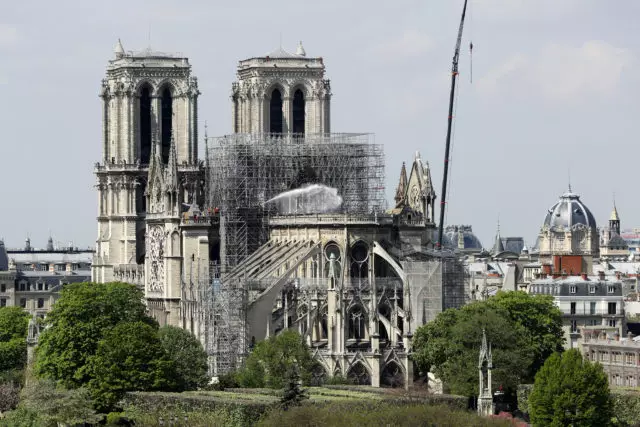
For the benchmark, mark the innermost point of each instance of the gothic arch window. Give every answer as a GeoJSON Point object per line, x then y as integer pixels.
{"type": "Point", "coordinates": [357, 323]}
{"type": "Point", "coordinates": [392, 375]}
{"type": "Point", "coordinates": [145, 124]}
{"type": "Point", "coordinates": [298, 112]}
{"type": "Point", "coordinates": [175, 244]}
{"type": "Point", "coordinates": [275, 112]}
{"type": "Point", "coordinates": [324, 312]}
{"type": "Point", "coordinates": [332, 250]}
{"type": "Point", "coordinates": [166, 118]}
{"type": "Point", "coordinates": [359, 375]}
{"type": "Point", "coordinates": [359, 264]}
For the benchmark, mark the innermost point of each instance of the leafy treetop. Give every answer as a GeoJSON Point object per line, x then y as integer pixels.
{"type": "Point", "coordinates": [570, 390]}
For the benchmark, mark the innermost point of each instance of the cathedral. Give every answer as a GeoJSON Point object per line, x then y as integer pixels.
{"type": "Point", "coordinates": [217, 256]}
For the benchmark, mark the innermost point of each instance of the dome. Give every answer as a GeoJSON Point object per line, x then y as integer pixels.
{"type": "Point", "coordinates": [453, 233]}
{"type": "Point", "coordinates": [568, 212]}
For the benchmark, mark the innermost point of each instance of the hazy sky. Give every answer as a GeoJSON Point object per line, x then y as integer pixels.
{"type": "Point", "coordinates": [555, 88]}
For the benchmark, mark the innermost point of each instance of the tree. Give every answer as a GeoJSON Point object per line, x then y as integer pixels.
{"type": "Point", "coordinates": [540, 318]}
{"type": "Point", "coordinates": [271, 360]}
{"type": "Point", "coordinates": [13, 333]}
{"type": "Point", "coordinates": [293, 394]}
{"type": "Point", "coordinates": [189, 357]}
{"type": "Point", "coordinates": [570, 391]}
{"type": "Point", "coordinates": [13, 323]}
{"type": "Point", "coordinates": [450, 346]}
{"type": "Point", "coordinates": [129, 357]}
{"type": "Point", "coordinates": [78, 321]}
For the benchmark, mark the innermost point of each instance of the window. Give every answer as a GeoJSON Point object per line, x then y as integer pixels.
{"type": "Point", "coordinates": [23, 302]}
{"type": "Point", "coordinates": [612, 308]}
{"type": "Point", "coordinates": [573, 289]}
{"type": "Point", "coordinates": [593, 322]}
{"type": "Point", "coordinates": [43, 267]}
{"type": "Point", "coordinates": [74, 267]}
{"type": "Point", "coordinates": [275, 110]}
{"type": "Point", "coordinates": [298, 112]}
{"type": "Point", "coordinates": [3, 302]}
{"type": "Point", "coordinates": [61, 267]}
{"type": "Point", "coordinates": [573, 308]}
{"type": "Point", "coordinates": [592, 307]}
{"type": "Point", "coordinates": [23, 286]}
{"type": "Point", "coordinates": [592, 289]}
{"type": "Point", "coordinates": [46, 286]}
{"type": "Point", "coordinates": [40, 286]}
{"type": "Point", "coordinates": [40, 302]}
{"type": "Point", "coordinates": [145, 125]}
{"type": "Point", "coordinates": [611, 289]}
{"type": "Point", "coordinates": [356, 323]}
{"type": "Point", "coordinates": [612, 323]}
{"type": "Point", "coordinates": [166, 123]}
{"type": "Point", "coordinates": [574, 326]}
{"type": "Point", "coordinates": [3, 288]}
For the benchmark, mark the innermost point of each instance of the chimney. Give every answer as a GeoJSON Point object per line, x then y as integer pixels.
{"type": "Point", "coordinates": [584, 276]}
{"type": "Point", "coordinates": [601, 275]}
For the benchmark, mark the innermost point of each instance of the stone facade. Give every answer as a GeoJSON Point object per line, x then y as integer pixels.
{"type": "Point", "coordinates": [620, 357]}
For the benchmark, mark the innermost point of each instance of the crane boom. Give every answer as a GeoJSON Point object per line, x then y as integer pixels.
{"type": "Point", "coordinates": [454, 76]}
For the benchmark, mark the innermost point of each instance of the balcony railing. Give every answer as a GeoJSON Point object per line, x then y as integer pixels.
{"type": "Point", "coordinates": [598, 312]}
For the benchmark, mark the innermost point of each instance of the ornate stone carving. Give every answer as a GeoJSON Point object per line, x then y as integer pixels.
{"type": "Point", "coordinates": [155, 244]}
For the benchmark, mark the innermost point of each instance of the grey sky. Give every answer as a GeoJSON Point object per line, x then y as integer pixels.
{"type": "Point", "coordinates": [555, 87]}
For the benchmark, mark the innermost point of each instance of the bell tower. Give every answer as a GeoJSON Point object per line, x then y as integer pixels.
{"type": "Point", "coordinates": [282, 93]}
{"type": "Point", "coordinates": [148, 98]}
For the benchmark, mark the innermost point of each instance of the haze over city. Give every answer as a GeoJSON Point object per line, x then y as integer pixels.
{"type": "Point", "coordinates": [553, 94]}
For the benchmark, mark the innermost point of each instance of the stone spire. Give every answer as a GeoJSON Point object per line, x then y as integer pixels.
{"type": "Point", "coordinates": [155, 186]}
{"type": "Point", "coordinates": [171, 171]}
{"type": "Point", "coordinates": [401, 191]}
{"type": "Point", "coordinates": [300, 50]}
{"type": "Point", "coordinates": [118, 50]}
{"type": "Point", "coordinates": [614, 220]}
{"type": "Point", "coordinates": [497, 245]}
{"type": "Point", "coordinates": [485, 365]}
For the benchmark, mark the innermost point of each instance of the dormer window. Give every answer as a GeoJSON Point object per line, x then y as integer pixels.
{"type": "Point", "coordinates": [592, 289]}
{"type": "Point", "coordinates": [611, 289]}
{"type": "Point", "coordinates": [573, 289]}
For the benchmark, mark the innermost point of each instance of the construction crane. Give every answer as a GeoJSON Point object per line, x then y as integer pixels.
{"type": "Point", "coordinates": [454, 76]}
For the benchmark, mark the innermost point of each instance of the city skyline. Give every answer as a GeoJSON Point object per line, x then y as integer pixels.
{"type": "Point", "coordinates": [537, 107]}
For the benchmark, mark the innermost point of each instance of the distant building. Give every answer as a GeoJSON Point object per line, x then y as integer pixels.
{"type": "Point", "coordinates": [462, 239]}
{"type": "Point", "coordinates": [620, 357]}
{"type": "Point", "coordinates": [568, 240]}
{"type": "Point", "coordinates": [585, 302]}
{"type": "Point", "coordinates": [612, 245]}
{"type": "Point", "coordinates": [32, 278]}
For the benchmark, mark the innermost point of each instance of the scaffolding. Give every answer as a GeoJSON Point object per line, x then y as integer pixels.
{"type": "Point", "coordinates": [247, 170]}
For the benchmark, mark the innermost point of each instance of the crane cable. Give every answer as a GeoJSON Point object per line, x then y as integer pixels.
{"type": "Point", "coordinates": [471, 42]}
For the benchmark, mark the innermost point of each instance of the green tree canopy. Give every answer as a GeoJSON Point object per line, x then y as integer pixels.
{"type": "Point", "coordinates": [540, 318]}
{"type": "Point", "coordinates": [271, 360]}
{"type": "Point", "coordinates": [81, 317]}
{"type": "Point", "coordinates": [13, 323]}
{"type": "Point", "coordinates": [129, 357]}
{"type": "Point", "coordinates": [189, 357]}
{"type": "Point", "coordinates": [450, 345]}
{"type": "Point", "coordinates": [570, 390]}
{"type": "Point", "coordinates": [13, 333]}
